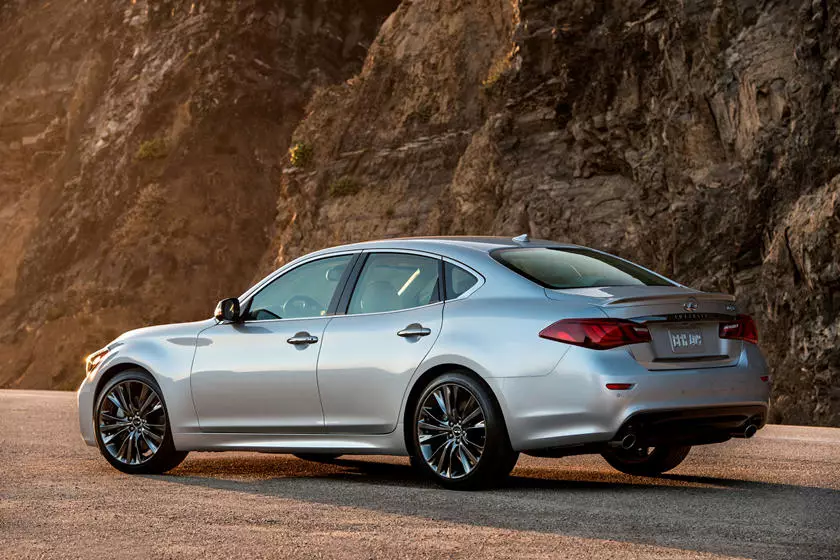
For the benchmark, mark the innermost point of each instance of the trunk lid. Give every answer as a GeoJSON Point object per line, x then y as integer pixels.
{"type": "Point", "coordinates": [683, 323]}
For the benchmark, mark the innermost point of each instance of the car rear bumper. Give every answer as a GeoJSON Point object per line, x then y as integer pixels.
{"type": "Point", "coordinates": [572, 405]}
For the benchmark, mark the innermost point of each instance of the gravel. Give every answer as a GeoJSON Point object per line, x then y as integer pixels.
{"type": "Point", "coordinates": [774, 496]}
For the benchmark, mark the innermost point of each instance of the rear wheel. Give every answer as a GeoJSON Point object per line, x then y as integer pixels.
{"type": "Point", "coordinates": [647, 461]}
{"type": "Point", "coordinates": [459, 436]}
{"type": "Point", "coordinates": [318, 457]}
{"type": "Point", "coordinates": [132, 425]}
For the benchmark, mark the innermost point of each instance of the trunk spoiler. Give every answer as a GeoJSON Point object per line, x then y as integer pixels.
{"type": "Point", "coordinates": [666, 298]}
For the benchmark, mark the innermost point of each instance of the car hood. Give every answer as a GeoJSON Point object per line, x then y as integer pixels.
{"type": "Point", "coordinates": [174, 330]}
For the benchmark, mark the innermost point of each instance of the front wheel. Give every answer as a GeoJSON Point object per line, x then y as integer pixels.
{"type": "Point", "coordinates": [459, 436]}
{"type": "Point", "coordinates": [647, 461]}
{"type": "Point", "coordinates": [132, 425]}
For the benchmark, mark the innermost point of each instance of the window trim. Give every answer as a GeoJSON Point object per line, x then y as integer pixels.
{"type": "Point", "coordinates": [350, 287]}
{"type": "Point", "coordinates": [248, 298]}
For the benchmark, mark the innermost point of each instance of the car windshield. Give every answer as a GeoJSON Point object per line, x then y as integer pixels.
{"type": "Point", "coordinates": [565, 268]}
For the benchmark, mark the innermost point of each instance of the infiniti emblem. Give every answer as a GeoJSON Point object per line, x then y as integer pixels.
{"type": "Point", "coordinates": [690, 305]}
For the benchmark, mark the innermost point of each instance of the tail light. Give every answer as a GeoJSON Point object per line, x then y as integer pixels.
{"type": "Point", "coordinates": [598, 334]}
{"type": "Point", "coordinates": [742, 328]}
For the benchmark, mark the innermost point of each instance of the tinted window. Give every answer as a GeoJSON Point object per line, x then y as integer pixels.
{"type": "Point", "coordinates": [458, 280]}
{"type": "Point", "coordinates": [575, 268]}
{"type": "Point", "coordinates": [393, 281]}
{"type": "Point", "coordinates": [304, 291]}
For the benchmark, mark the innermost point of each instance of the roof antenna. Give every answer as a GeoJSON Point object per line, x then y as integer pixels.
{"type": "Point", "coordinates": [522, 238]}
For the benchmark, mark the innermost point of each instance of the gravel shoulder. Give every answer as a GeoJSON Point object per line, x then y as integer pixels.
{"type": "Point", "coordinates": [774, 496]}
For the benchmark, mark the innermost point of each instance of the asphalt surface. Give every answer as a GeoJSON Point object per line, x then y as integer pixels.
{"type": "Point", "coordinates": [774, 496]}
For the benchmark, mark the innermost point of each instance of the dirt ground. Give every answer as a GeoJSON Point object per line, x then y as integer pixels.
{"type": "Point", "coordinates": [774, 496]}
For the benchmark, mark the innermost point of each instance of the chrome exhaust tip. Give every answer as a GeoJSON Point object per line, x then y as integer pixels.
{"type": "Point", "coordinates": [750, 431]}
{"type": "Point", "coordinates": [628, 441]}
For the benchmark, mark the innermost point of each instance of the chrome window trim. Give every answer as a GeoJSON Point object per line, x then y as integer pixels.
{"type": "Point", "coordinates": [339, 315]}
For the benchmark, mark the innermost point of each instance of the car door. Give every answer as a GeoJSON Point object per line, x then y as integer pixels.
{"type": "Point", "coordinates": [258, 375]}
{"type": "Point", "coordinates": [369, 354]}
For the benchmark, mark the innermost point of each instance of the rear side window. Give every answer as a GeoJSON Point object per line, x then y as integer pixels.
{"type": "Point", "coordinates": [575, 268]}
{"type": "Point", "coordinates": [394, 281]}
{"type": "Point", "coordinates": [458, 280]}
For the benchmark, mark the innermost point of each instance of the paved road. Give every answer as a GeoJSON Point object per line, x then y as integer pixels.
{"type": "Point", "coordinates": [775, 496]}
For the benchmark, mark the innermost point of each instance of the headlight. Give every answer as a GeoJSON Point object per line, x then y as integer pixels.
{"type": "Point", "coordinates": [95, 359]}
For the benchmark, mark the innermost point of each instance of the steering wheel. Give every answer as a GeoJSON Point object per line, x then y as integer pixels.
{"type": "Point", "coordinates": [301, 306]}
{"type": "Point", "coordinates": [263, 314]}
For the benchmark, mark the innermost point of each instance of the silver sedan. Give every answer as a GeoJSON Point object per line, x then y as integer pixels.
{"type": "Point", "coordinates": [458, 352]}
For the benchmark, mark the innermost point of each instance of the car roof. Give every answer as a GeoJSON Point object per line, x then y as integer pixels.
{"type": "Point", "coordinates": [448, 245]}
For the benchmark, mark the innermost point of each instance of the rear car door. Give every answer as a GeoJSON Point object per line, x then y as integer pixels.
{"type": "Point", "coordinates": [258, 376]}
{"type": "Point", "coordinates": [369, 354]}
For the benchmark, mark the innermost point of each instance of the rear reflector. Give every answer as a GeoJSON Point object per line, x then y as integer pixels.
{"type": "Point", "coordinates": [619, 386]}
{"type": "Point", "coordinates": [765, 378]}
{"type": "Point", "coordinates": [598, 334]}
{"type": "Point", "coordinates": [742, 328]}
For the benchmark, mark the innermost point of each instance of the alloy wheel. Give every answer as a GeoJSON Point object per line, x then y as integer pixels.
{"type": "Point", "coordinates": [451, 431]}
{"type": "Point", "coordinates": [132, 422]}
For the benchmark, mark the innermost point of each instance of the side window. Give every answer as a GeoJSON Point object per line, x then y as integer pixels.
{"type": "Point", "coordinates": [304, 291]}
{"type": "Point", "coordinates": [393, 281]}
{"type": "Point", "coordinates": [458, 280]}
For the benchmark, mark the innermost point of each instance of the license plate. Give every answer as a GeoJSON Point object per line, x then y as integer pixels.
{"type": "Point", "coordinates": [686, 340]}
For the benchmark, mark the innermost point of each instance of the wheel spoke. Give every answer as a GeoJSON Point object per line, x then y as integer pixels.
{"type": "Point", "coordinates": [464, 461]}
{"type": "Point", "coordinates": [150, 398]}
{"type": "Point", "coordinates": [114, 426]}
{"type": "Point", "coordinates": [151, 445]}
{"type": "Point", "coordinates": [432, 427]}
{"type": "Point", "coordinates": [438, 395]}
{"type": "Point", "coordinates": [125, 404]}
{"type": "Point", "coordinates": [447, 394]}
{"type": "Point", "coordinates": [157, 437]}
{"type": "Point", "coordinates": [443, 455]}
{"type": "Point", "coordinates": [476, 412]}
{"type": "Point", "coordinates": [426, 438]}
{"type": "Point", "coordinates": [466, 447]}
{"type": "Point", "coordinates": [478, 448]}
{"type": "Point", "coordinates": [116, 402]}
{"type": "Point", "coordinates": [106, 439]}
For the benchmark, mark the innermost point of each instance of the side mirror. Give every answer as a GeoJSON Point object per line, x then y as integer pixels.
{"type": "Point", "coordinates": [227, 310]}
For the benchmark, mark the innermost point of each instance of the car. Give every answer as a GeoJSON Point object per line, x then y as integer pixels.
{"type": "Point", "coordinates": [459, 352]}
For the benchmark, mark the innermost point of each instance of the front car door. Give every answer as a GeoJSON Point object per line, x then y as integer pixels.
{"type": "Point", "coordinates": [258, 376]}
{"type": "Point", "coordinates": [369, 354]}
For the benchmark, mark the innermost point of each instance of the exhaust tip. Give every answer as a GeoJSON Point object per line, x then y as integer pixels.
{"type": "Point", "coordinates": [628, 441]}
{"type": "Point", "coordinates": [750, 431]}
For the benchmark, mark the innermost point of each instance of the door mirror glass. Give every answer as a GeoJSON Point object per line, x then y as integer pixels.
{"type": "Point", "coordinates": [227, 310]}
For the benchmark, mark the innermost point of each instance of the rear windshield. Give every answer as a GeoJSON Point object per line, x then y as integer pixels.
{"type": "Point", "coordinates": [565, 268]}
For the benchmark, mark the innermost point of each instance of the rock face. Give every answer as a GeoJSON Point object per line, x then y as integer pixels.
{"type": "Point", "coordinates": [147, 176]}
{"type": "Point", "coordinates": [142, 145]}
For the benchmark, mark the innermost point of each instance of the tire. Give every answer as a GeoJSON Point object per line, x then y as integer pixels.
{"type": "Point", "coordinates": [151, 450]}
{"type": "Point", "coordinates": [318, 457]}
{"type": "Point", "coordinates": [471, 456]}
{"type": "Point", "coordinates": [651, 463]}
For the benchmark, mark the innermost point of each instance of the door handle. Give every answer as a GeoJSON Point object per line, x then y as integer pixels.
{"type": "Point", "coordinates": [414, 329]}
{"type": "Point", "coordinates": [302, 337]}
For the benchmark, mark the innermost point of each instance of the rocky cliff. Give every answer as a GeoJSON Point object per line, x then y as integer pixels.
{"type": "Point", "coordinates": [145, 173]}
